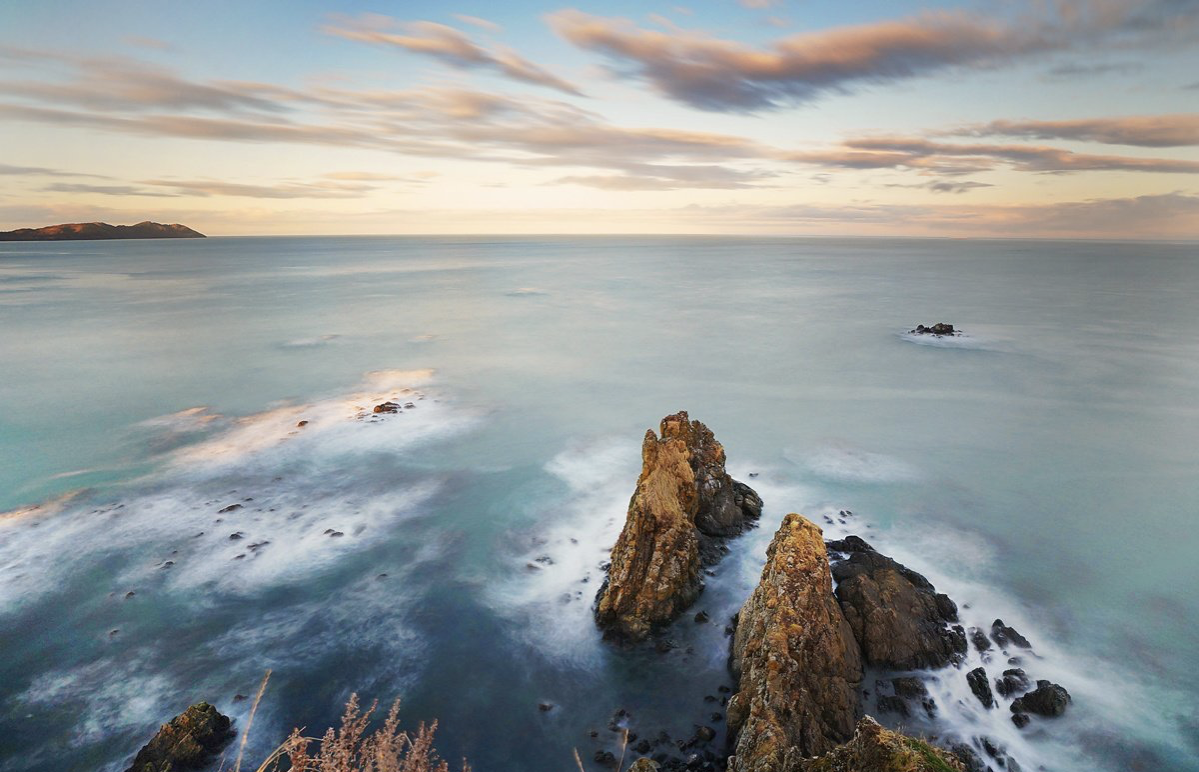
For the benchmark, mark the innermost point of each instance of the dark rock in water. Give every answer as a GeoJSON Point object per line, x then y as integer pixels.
{"type": "Point", "coordinates": [939, 329]}
{"type": "Point", "coordinates": [301, 424]}
{"type": "Point", "coordinates": [898, 618]}
{"type": "Point", "coordinates": [909, 687]}
{"type": "Point", "coordinates": [230, 508]}
{"type": "Point", "coordinates": [893, 704]}
{"type": "Point", "coordinates": [1012, 682]}
{"type": "Point", "coordinates": [1004, 635]}
{"type": "Point", "coordinates": [701, 617]}
{"type": "Point", "coordinates": [1020, 720]}
{"type": "Point", "coordinates": [386, 407]}
{"type": "Point", "coordinates": [685, 502]}
{"type": "Point", "coordinates": [977, 678]}
{"type": "Point", "coordinates": [1048, 699]}
{"type": "Point", "coordinates": [795, 657]}
{"type": "Point", "coordinates": [545, 707]}
{"type": "Point", "coordinates": [979, 639]}
{"type": "Point", "coordinates": [705, 734]}
{"type": "Point", "coordinates": [875, 749]}
{"type": "Point", "coordinates": [968, 757]}
{"type": "Point", "coordinates": [607, 758]}
{"type": "Point", "coordinates": [189, 741]}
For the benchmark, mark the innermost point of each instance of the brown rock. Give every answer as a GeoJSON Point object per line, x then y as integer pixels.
{"type": "Point", "coordinates": [795, 656]}
{"type": "Point", "coordinates": [189, 741]}
{"type": "Point", "coordinates": [684, 501]}
{"type": "Point", "coordinates": [898, 618]}
{"type": "Point", "coordinates": [875, 749]}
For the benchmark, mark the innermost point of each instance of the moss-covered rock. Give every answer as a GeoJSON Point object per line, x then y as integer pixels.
{"type": "Point", "coordinates": [875, 749]}
{"type": "Point", "coordinates": [189, 741]}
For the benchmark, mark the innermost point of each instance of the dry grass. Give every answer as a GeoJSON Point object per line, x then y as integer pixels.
{"type": "Point", "coordinates": [352, 748]}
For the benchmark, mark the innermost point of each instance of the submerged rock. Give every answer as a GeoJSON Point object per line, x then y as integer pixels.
{"type": "Point", "coordinates": [189, 741]}
{"type": "Point", "coordinates": [899, 619]}
{"type": "Point", "coordinates": [795, 656]}
{"type": "Point", "coordinates": [875, 749]}
{"type": "Point", "coordinates": [684, 502]}
{"type": "Point", "coordinates": [939, 329]}
{"type": "Point", "coordinates": [1048, 699]}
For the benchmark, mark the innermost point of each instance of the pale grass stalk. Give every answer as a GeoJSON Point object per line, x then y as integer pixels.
{"type": "Point", "coordinates": [245, 735]}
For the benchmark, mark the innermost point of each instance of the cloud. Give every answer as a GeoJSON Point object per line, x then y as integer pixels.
{"type": "Point", "coordinates": [711, 73]}
{"type": "Point", "coordinates": [415, 177]}
{"type": "Point", "coordinates": [760, 4]}
{"type": "Point", "coordinates": [153, 44]}
{"type": "Point", "coordinates": [663, 177]}
{"type": "Point", "coordinates": [106, 190]}
{"type": "Point", "coordinates": [1143, 131]}
{"type": "Point", "coordinates": [279, 190]}
{"type": "Point", "coordinates": [446, 43]}
{"type": "Point", "coordinates": [475, 21]}
{"type": "Point", "coordinates": [42, 171]}
{"type": "Point", "coordinates": [944, 158]}
{"type": "Point", "coordinates": [945, 186]}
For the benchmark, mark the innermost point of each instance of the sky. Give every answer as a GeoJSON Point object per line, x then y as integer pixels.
{"type": "Point", "coordinates": [1010, 118]}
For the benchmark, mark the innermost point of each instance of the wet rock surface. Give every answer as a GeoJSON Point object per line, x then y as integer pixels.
{"type": "Point", "coordinates": [188, 741]}
{"type": "Point", "coordinates": [795, 657]}
{"type": "Point", "coordinates": [1013, 681]}
{"type": "Point", "coordinates": [1048, 699]}
{"type": "Point", "coordinates": [684, 504]}
{"type": "Point", "coordinates": [1007, 636]}
{"type": "Point", "coordinates": [898, 618]}
{"type": "Point", "coordinates": [977, 679]}
{"type": "Point", "coordinates": [940, 329]}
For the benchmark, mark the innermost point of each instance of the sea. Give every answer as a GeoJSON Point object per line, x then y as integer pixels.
{"type": "Point", "coordinates": [172, 529]}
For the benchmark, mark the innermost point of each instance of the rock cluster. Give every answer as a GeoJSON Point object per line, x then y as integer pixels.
{"type": "Point", "coordinates": [899, 619]}
{"type": "Point", "coordinates": [189, 741]}
{"type": "Point", "coordinates": [939, 329]}
{"type": "Point", "coordinates": [796, 659]}
{"type": "Point", "coordinates": [685, 502]}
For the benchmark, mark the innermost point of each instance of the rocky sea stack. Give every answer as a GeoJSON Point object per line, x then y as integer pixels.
{"type": "Point", "coordinates": [795, 657]}
{"type": "Point", "coordinates": [189, 741]}
{"type": "Point", "coordinates": [940, 329]}
{"type": "Point", "coordinates": [684, 505]}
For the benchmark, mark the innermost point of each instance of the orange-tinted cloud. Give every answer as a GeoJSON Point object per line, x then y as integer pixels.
{"type": "Point", "coordinates": [1142, 130]}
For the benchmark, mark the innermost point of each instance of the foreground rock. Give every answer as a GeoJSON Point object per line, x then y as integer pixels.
{"type": "Point", "coordinates": [189, 741]}
{"type": "Point", "coordinates": [795, 657]}
{"type": "Point", "coordinates": [875, 749]}
{"type": "Point", "coordinates": [1048, 699]}
{"type": "Point", "coordinates": [939, 329]}
{"type": "Point", "coordinates": [90, 231]}
{"type": "Point", "coordinates": [684, 503]}
{"type": "Point", "coordinates": [899, 619]}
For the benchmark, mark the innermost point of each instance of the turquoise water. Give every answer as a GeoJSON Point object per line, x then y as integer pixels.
{"type": "Point", "coordinates": [1044, 469]}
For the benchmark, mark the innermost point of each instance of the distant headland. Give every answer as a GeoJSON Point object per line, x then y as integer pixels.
{"type": "Point", "coordinates": [85, 231]}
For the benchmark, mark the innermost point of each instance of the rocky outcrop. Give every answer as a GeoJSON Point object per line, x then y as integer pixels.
{"type": "Point", "coordinates": [977, 679]}
{"type": "Point", "coordinates": [795, 657]}
{"type": "Point", "coordinates": [90, 231]}
{"type": "Point", "coordinates": [1007, 636]}
{"type": "Point", "coordinates": [1013, 681]}
{"type": "Point", "coordinates": [1048, 699]}
{"type": "Point", "coordinates": [684, 502]}
{"type": "Point", "coordinates": [899, 619]}
{"type": "Point", "coordinates": [939, 329]}
{"type": "Point", "coordinates": [189, 741]}
{"type": "Point", "coordinates": [875, 749]}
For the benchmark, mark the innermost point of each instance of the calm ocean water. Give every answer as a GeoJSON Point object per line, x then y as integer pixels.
{"type": "Point", "coordinates": [1044, 469]}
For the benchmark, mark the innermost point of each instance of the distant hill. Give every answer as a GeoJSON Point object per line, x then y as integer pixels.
{"type": "Point", "coordinates": [83, 231]}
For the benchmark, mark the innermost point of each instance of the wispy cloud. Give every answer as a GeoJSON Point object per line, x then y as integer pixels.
{"type": "Point", "coordinates": [106, 190]}
{"type": "Point", "coordinates": [1143, 131]}
{"type": "Point", "coordinates": [42, 171]}
{"type": "Point", "coordinates": [945, 158]}
{"type": "Point", "coordinates": [712, 73]}
{"type": "Point", "coordinates": [446, 43]}
{"type": "Point", "coordinates": [476, 21]}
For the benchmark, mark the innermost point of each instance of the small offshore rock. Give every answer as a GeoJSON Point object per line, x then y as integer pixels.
{"type": "Point", "coordinates": [1004, 634]}
{"type": "Point", "coordinates": [386, 407]}
{"type": "Point", "coordinates": [979, 639]}
{"type": "Point", "coordinates": [189, 741]}
{"type": "Point", "coordinates": [1013, 681]}
{"type": "Point", "coordinates": [940, 329]}
{"type": "Point", "coordinates": [701, 617]}
{"type": "Point", "coordinates": [1021, 720]}
{"type": "Point", "coordinates": [230, 508]}
{"type": "Point", "coordinates": [977, 678]}
{"type": "Point", "coordinates": [1048, 699]}
{"type": "Point", "coordinates": [545, 707]}
{"type": "Point", "coordinates": [301, 424]}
